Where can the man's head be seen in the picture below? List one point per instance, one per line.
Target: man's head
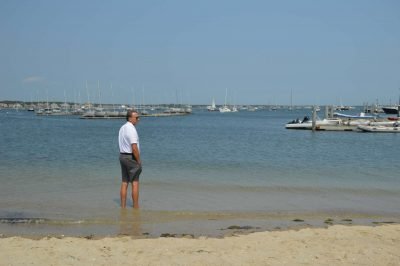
(132, 116)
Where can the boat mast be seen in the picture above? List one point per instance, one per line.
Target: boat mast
(399, 96)
(112, 96)
(65, 102)
(47, 99)
(88, 98)
(226, 95)
(142, 97)
(398, 106)
(98, 89)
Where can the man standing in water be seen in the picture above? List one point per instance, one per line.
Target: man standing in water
(129, 158)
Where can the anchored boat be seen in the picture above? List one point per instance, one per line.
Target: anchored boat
(380, 129)
(306, 123)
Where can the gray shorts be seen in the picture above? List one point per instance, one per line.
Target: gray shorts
(130, 169)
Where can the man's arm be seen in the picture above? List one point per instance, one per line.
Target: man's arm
(136, 153)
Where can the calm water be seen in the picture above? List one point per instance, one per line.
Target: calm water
(68, 168)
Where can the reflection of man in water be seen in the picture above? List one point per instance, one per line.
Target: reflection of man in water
(129, 158)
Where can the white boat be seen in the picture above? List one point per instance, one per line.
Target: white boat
(143, 112)
(306, 123)
(174, 110)
(188, 109)
(122, 113)
(78, 111)
(112, 113)
(366, 122)
(343, 108)
(47, 111)
(59, 112)
(212, 107)
(40, 112)
(380, 129)
(99, 112)
(225, 108)
(89, 113)
(360, 116)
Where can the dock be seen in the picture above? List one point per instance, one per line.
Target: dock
(341, 122)
(336, 128)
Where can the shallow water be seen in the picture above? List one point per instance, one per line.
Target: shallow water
(66, 168)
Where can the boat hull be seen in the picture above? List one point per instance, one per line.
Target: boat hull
(379, 129)
(390, 110)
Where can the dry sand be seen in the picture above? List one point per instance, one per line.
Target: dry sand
(336, 245)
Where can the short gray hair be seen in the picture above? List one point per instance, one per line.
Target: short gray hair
(129, 114)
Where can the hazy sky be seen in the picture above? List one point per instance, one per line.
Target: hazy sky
(325, 52)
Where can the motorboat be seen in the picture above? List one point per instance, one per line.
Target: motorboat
(380, 129)
(359, 116)
(391, 110)
(307, 123)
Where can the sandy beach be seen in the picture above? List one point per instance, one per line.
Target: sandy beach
(336, 245)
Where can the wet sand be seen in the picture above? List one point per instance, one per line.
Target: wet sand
(154, 224)
(337, 244)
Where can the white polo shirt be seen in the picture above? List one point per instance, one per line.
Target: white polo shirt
(126, 137)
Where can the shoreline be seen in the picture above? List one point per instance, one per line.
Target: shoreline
(337, 244)
(155, 224)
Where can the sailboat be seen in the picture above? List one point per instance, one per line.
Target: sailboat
(143, 111)
(88, 113)
(99, 110)
(234, 108)
(112, 113)
(225, 108)
(212, 107)
(47, 110)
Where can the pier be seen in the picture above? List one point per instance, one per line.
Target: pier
(345, 122)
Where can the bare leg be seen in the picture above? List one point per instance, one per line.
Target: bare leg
(124, 188)
(135, 194)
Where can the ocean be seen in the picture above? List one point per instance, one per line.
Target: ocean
(61, 175)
